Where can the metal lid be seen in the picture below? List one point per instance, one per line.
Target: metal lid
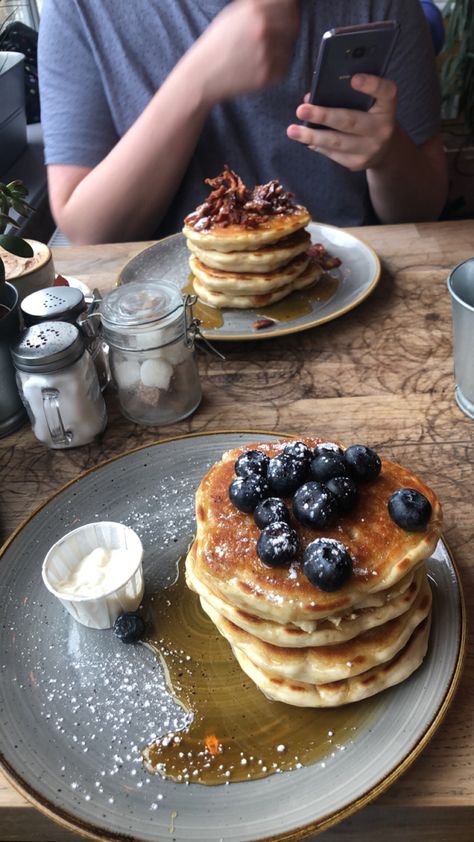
(62, 303)
(142, 303)
(48, 346)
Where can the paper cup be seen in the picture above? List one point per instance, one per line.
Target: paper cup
(98, 611)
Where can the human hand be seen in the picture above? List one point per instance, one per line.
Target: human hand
(360, 140)
(247, 46)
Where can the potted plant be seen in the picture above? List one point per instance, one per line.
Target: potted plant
(12, 196)
(27, 264)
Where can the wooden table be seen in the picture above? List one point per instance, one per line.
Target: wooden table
(382, 374)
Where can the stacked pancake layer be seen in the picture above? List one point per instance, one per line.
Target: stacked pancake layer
(249, 248)
(301, 645)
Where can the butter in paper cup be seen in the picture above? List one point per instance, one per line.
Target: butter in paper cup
(98, 611)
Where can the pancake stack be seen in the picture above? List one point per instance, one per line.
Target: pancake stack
(301, 644)
(249, 248)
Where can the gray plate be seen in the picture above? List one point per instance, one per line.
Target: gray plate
(77, 705)
(358, 276)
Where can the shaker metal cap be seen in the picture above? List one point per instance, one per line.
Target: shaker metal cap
(62, 303)
(142, 303)
(48, 346)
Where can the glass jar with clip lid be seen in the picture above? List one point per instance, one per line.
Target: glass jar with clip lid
(150, 331)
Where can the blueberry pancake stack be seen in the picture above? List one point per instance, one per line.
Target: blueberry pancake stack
(310, 560)
(249, 248)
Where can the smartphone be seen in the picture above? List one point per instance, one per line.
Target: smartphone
(364, 48)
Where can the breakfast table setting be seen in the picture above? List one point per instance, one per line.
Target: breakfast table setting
(367, 359)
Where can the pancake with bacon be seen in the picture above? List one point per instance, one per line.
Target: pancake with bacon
(228, 297)
(264, 259)
(235, 218)
(249, 248)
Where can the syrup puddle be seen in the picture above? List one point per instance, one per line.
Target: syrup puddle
(232, 731)
(296, 305)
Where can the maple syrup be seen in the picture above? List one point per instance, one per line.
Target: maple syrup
(235, 732)
(299, 303)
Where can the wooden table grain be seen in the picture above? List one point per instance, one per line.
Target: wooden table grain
(383, 375)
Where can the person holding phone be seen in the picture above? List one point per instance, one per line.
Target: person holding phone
(140, 107)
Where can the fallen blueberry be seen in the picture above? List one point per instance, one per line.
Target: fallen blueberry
(129, 627)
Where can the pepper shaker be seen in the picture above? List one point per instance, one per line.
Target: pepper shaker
(68, 304)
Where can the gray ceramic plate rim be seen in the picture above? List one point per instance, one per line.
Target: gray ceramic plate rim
(321, 822)
(331, 236)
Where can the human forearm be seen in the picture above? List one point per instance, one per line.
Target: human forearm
(410, 183)
(246, 47)
(127, 193)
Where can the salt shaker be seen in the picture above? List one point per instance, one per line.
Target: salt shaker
(149, 329)
(58, 385)
(67, 304)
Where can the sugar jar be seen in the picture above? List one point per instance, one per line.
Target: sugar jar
(149, 329)
(58, 385)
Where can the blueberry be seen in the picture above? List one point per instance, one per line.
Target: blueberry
(315, 506)
(129, 627)
(327, 563)
(285, 475)
(298, 450)
(327, 448)
(409, 509)
(246, 492)
(269, 511)
(328, 465)
(345, 492)
(250, 463)
(277, 544)
(363, 462)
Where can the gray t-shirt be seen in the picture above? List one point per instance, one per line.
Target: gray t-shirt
(101, 62)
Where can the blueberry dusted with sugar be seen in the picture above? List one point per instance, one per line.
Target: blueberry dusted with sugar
(327, 564)
(298, 450)
(277, 544)
(252, 463)
(328, 465)
(345, 491)
(364, 463)
(270, 510)
(247, 492)
(285, 475)
(409, 509)
(315, 506)
(129, 627)
(327, 448)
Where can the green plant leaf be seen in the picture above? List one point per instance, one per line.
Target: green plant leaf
(21, 207)
(7, 220)
(17, 188)
(15, 245)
